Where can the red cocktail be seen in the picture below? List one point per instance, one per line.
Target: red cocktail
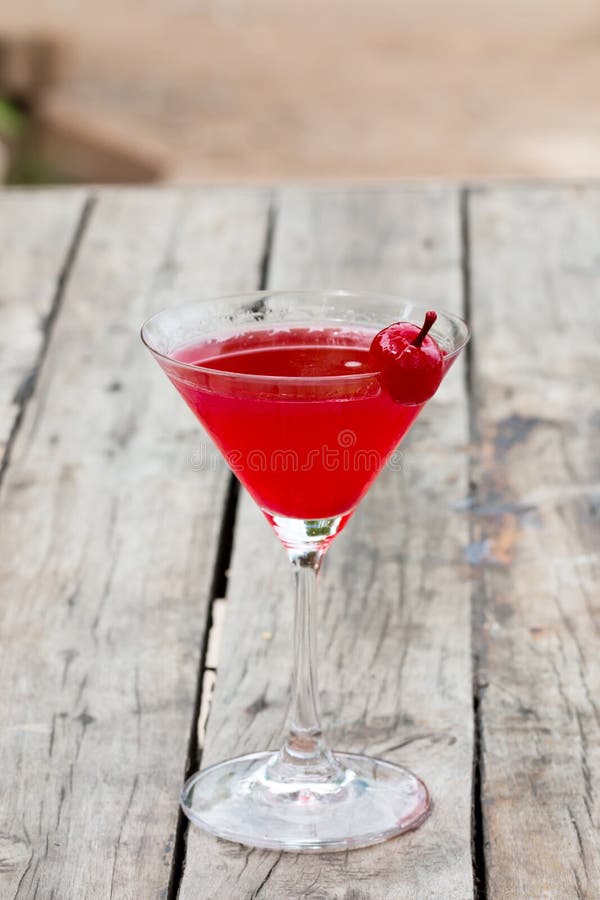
(306, 395)
(307, 449)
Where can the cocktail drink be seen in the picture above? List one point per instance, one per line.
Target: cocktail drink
(308, 432)
(306, 395)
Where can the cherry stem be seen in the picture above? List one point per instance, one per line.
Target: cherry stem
(430, 318)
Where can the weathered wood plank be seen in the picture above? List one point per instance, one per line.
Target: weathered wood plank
(37, 228)
(395, 615)
(535, 272)
(107, 547)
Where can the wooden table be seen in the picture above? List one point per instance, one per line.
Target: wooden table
(460, 609)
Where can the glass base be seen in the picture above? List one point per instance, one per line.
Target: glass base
(368, 802)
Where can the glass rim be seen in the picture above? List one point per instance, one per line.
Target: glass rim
(261, 295)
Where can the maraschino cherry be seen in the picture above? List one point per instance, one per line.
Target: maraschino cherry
(409, 361)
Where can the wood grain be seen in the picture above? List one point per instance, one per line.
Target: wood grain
(395, 613)
(109, 521)
(108, 537)
(37, 229)
(535, 275)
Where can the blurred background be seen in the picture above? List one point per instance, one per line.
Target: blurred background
(194, 90)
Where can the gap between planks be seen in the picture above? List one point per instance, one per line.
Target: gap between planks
(206, 676)
(207, 670)
(27, 387)
(477, 826)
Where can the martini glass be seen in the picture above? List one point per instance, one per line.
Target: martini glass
(282, 383)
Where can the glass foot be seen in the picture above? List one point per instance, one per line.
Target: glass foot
(369, 801)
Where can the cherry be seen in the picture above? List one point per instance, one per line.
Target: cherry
(409, 361)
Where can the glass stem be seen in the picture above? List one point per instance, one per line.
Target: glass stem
(304, 739)
(304, 756)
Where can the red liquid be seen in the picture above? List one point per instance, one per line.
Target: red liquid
(304, 448)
